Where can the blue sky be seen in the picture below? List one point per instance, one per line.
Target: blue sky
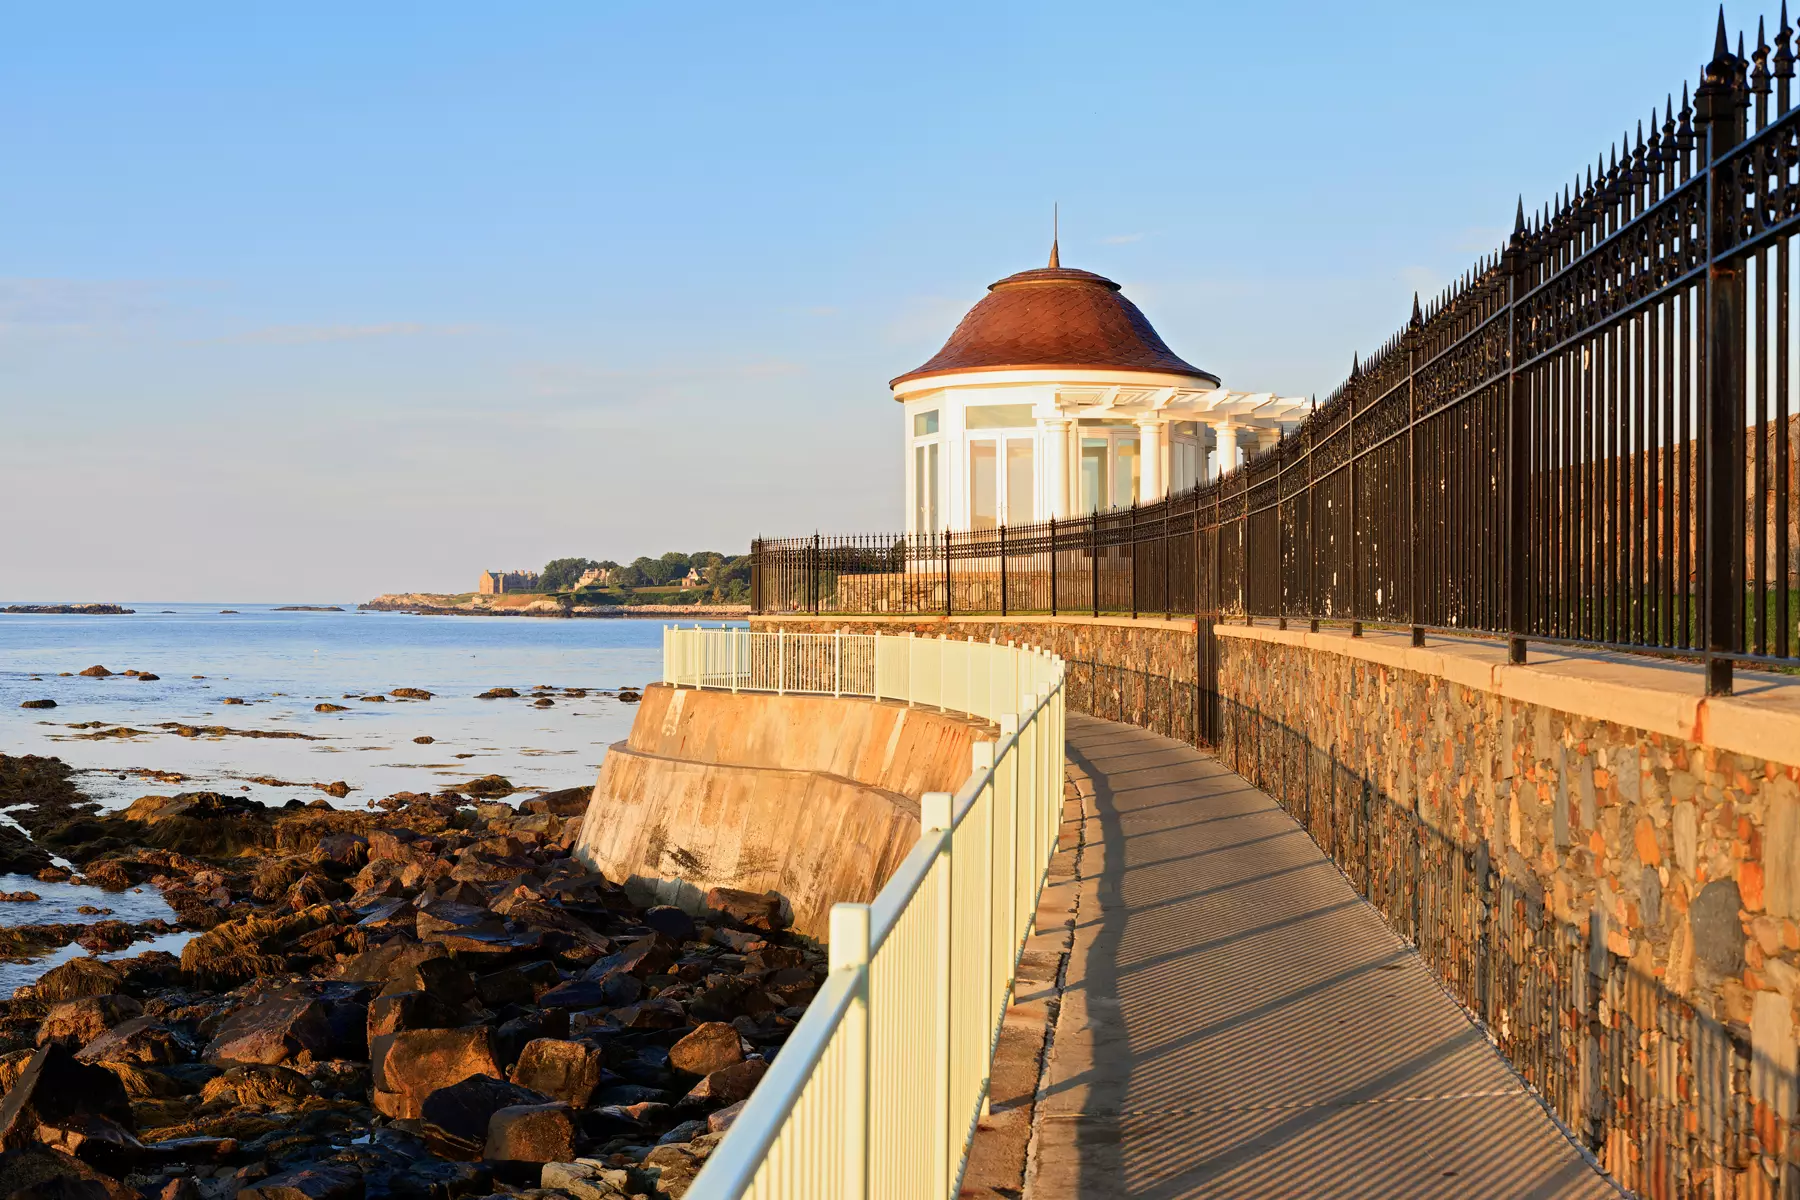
(319, 301)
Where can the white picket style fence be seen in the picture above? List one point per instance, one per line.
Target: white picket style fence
(877, 1091)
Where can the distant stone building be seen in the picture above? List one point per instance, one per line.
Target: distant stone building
(693, 578)
(498, 583)
(595, 577)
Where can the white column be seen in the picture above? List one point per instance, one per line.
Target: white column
(1150, 460)
(1054, 438)
(1225, 438)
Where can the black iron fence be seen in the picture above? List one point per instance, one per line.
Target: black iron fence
(1590, 438)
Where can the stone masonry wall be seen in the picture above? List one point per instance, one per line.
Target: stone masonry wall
(1139, 672)
(1619, 907)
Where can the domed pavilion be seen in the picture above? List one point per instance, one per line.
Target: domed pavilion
(1056, 397)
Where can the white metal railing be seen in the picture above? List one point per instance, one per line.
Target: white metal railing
(878, 1088)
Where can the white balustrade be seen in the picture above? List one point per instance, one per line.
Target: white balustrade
(876, 1092)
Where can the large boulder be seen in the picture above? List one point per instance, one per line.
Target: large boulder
(55, 1090)
(531, 1133)
(712, 1047)
(303, 1023)
(141, 1041)
(727, 1086)
(412, 1064)
(455, 1118)
(321, 1181)
(563, 1070)
(77, 1022)
(79, 977)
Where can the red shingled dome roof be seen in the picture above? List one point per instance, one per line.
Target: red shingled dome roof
(1055, 317)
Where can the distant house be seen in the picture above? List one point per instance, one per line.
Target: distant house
(595, 577)
(692, 578)
(498, 583)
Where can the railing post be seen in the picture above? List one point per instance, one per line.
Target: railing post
(1003, 570)
(936, 817)
(781, 662)
(982, 759)
(1413, 333)
(948, 604)
(1053, 566)
(1722, 102)
(1009, 727)
(1350, 388)
(837, 663)
(735, 638)
(1094, 553)
(1134, 560)
(849, 951)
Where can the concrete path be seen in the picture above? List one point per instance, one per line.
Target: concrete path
(1237, 1022)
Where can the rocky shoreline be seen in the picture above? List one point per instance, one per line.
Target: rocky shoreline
(432, 1000)
(422, 604)
(85, 610)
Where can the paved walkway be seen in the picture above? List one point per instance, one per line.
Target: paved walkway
(1237, 1022)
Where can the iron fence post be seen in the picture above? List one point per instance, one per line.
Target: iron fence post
(812, 577)
(1002, 531)
(1053, 571)
(1722, 102)
(1415, 330)
(1350, 387)
(1094, 554)
(1134, 560)
(948, 605)
(1518, 446)
(756, 574)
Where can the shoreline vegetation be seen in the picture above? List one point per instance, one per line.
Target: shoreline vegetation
(526, 604)
(702, 584)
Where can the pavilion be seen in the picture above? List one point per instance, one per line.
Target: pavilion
(1055, 397)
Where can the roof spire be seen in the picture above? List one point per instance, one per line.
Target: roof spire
(1055, 233)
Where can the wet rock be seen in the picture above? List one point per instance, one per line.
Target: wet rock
(489, 785)
(75, 1023)
(627, 696)
(95, 672)
(232, 700)
(569, 802)
(257, 1086)
(339, 789)
(563, 1070)
(80, 977)
(331, 708)
(498, 693)
(321, 1181)
(411, 693)
(38, 704)
(455, 1117)
(22, 898)
(410, 1065)
(712, 1047)
(424, 740)
(147, 677)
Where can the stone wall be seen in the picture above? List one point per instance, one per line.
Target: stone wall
(1142, 672)
(1616, 899)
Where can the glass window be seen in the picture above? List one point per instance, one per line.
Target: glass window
(1019, 481)
(925, 423)
(925, 488)
(984, 486)
(999, 416)
(1093, 474)
(1125, 472)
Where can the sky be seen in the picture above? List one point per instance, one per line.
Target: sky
(314, 302)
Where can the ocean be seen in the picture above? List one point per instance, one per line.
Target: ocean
(283, 664)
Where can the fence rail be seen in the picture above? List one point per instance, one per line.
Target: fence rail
(877, 1090)
(1593, 437)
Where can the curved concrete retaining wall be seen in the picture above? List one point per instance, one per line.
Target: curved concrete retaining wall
(812, 797)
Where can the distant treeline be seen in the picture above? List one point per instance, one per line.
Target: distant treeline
(703, 577)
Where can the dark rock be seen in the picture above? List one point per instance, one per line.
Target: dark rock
(412, 1064)
(499, 693)
(95, 672)
(489, 785)
(727, 1086)
(1718, 933)
(576, 993)
(656, 1013)
(456, 1116)
(400, 1011)
(411, 693)
(140, 1041)
(38, 704)
(712, 1047)
(321, 1181)
(562, 1070)
(330, 708)
(722, 1120)
(79, 977)
(753, 910)
(54, 1089)
(532, 1133)
(75, 1023)
(39, 1173)
(569, 802)
(670, 921)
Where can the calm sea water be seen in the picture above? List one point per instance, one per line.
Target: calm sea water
(281, 664)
